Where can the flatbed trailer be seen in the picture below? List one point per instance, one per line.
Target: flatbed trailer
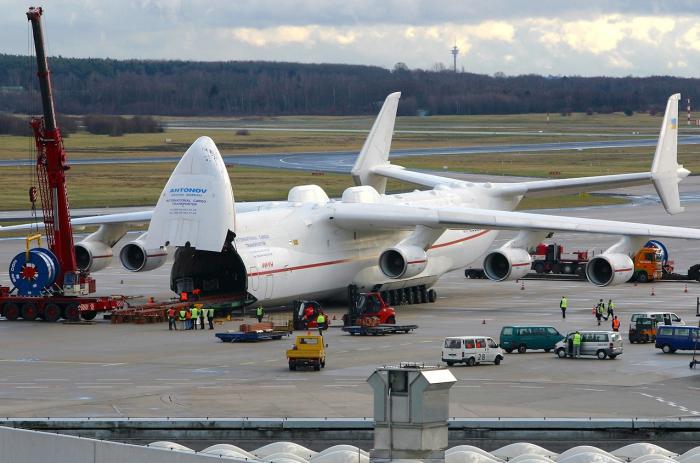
(378, 330)
(251, 336)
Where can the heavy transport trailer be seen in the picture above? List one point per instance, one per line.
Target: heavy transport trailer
(379, 330)
(251, 336)
(54, 308)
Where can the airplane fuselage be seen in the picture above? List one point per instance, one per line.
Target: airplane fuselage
(294, 250)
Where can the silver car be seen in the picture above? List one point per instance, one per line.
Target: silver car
(601, 344)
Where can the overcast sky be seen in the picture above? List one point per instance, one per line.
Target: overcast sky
(567, 37)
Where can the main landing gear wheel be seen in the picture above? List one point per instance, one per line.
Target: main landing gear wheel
(432, 295)
(410, 296)
(423, 295)
(52, 313)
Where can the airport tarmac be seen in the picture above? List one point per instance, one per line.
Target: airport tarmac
(105, 370)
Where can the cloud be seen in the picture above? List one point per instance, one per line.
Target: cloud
(582, 37)
(602, 34)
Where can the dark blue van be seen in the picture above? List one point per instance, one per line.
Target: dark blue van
(672, 338)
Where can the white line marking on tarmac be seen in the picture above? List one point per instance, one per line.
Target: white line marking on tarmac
(339, 385)
(280, 386)
(589, 389)
(248, 363)
(290, 379)
(50, 379)
(115, 380)
(31, 387)
(172, 379)
(529, 387)
(95, 387)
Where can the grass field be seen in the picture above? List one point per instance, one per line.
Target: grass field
(449, 131)
(124, 185)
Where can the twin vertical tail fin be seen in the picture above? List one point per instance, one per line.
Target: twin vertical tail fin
(375, 151)
(666, 173)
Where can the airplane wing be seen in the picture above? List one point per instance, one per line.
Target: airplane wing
(402, 217)
(138, 217)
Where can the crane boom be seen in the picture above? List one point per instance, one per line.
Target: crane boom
(51, 164)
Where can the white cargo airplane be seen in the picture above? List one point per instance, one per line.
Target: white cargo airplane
(311, 246)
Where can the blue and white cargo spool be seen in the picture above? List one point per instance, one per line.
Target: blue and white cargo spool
(31, 276)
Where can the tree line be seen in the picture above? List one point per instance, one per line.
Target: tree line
(113, 126)
(238, 88)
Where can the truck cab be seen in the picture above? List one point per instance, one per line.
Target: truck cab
(648, 264)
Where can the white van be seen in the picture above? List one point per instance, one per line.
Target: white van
(662, 318)
(471, 350)
(602, 344)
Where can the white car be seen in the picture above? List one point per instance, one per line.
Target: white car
(471, 350)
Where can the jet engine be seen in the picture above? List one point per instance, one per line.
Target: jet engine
(507, 264)
(403, 261)
(136, 258)
(92, 256)
(609, 269)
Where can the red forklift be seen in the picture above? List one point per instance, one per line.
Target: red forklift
(305, 314)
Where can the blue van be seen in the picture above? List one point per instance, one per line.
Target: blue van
(672, 338)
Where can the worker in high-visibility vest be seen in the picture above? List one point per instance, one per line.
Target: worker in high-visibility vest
(210, 317)
(611, 309)
(615, 324)
(195, 316)
(188, 319)
(183, 317)
(320, 322)
(259, 313)
(563, 305)
(577, 344)
(171, 319)
(201, 316)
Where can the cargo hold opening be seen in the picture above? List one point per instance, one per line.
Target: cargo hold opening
(214, 273)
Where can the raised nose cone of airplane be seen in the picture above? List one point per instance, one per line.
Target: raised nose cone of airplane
(202, 158)
(196, 205)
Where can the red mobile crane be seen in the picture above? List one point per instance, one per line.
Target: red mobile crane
(47, 283)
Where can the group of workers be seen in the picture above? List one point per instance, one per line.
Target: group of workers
(190, 317)
(601, 311)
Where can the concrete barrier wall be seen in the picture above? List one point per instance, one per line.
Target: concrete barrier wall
(557, 434)
(23, 446)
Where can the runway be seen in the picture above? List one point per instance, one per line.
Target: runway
(145, 370)
(342, 161)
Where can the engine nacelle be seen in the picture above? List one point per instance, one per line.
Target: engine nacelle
(507, 264)
(609, 269)
(92, 256)
(136, 258)
(403, 261)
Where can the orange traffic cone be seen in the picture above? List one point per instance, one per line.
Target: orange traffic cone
(685, 290)
(652, 291)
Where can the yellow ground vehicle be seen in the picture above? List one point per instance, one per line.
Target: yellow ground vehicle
(308, 350)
